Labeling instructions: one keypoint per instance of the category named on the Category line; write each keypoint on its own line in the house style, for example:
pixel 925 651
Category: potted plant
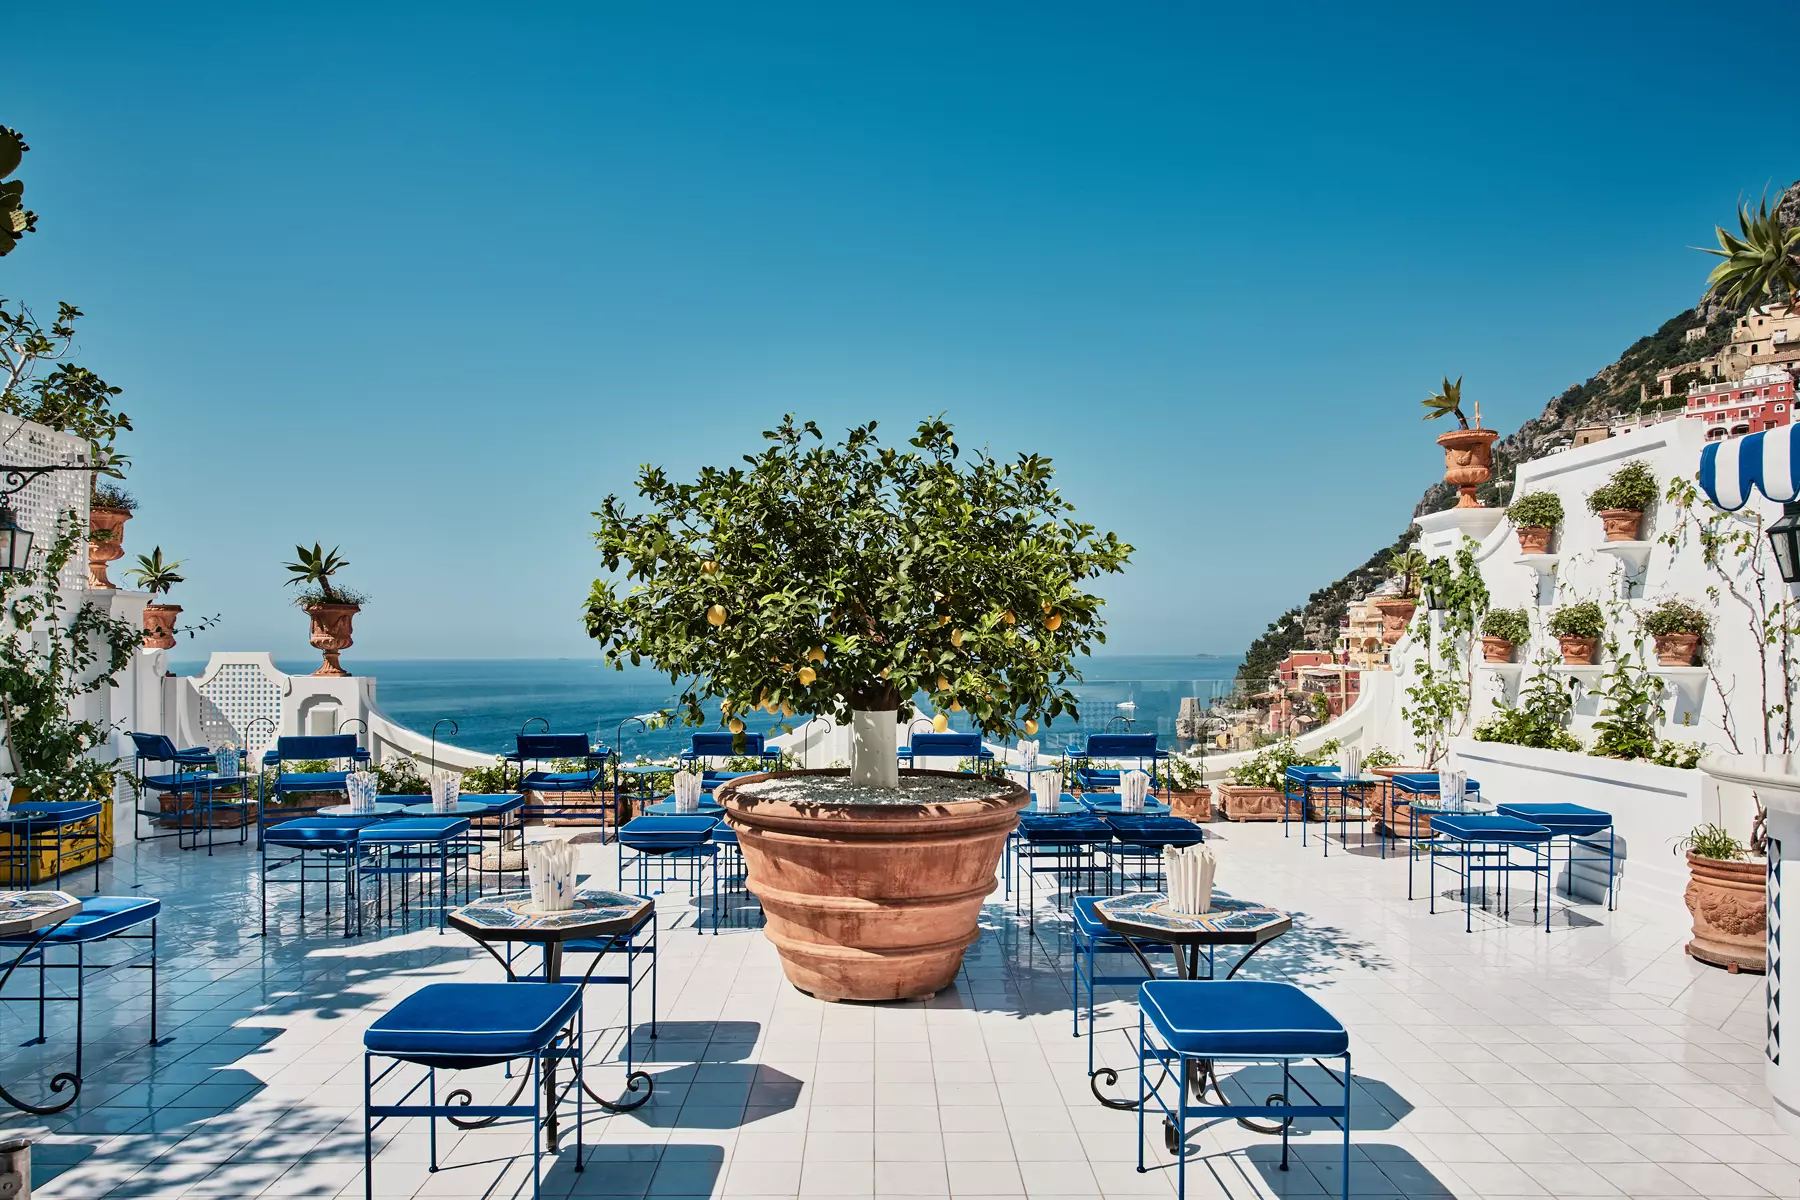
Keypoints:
pixel 1468 453
pixel 109 507
pixel 157 577
pixel 1536 516
pixel 332 609
pixel 1727 897
pixel 845 580
pixel 1256 789
pixel 1578 628
pixel 1188 794
pixel 1678 628
pixel 1407 566
pixel 1623 499
pixel 1502 630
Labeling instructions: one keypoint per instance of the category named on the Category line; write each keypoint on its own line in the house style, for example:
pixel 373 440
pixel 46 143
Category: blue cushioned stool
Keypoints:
pixel 1186 1026
pixel 1092 940
pixel 681 849
pixel 101 919
pixel 1478 845
pixel 1069 849
pixel 49 827
pixel 1583 828
pixel 1139 841
pixel 322 850
pixel 342 754
pixel 459 1026
pixel 408 848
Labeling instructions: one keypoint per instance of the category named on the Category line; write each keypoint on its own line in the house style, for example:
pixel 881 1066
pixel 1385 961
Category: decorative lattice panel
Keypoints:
pixel 241 703
pixel 39 504
pixel 1774 976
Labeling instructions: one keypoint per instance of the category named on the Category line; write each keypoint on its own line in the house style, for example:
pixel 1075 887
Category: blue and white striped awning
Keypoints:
pixel 1769 461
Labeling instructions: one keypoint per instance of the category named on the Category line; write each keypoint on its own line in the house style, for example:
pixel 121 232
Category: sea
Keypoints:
pixel 482 704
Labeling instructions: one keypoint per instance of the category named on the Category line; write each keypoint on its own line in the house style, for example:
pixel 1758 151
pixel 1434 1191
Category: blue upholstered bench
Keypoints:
pixel 1479 845
pixel 681 849
pixel 1185 1026
pixel 461 1026
pixel 101 919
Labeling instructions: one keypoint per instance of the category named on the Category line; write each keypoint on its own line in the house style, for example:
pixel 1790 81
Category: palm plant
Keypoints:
pixel 1409 566
pixel 1446 402
pixel 312 571
pixel 1761 260
pixel 154 575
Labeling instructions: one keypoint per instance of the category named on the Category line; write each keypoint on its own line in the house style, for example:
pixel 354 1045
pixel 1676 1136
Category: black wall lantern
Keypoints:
pixel 15 543
pixel 1784 540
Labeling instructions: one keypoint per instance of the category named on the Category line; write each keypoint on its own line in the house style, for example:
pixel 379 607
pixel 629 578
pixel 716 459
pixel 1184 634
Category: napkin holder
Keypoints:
pixel 1189 872
pixel 446 790
pixel 360 787
pixel 688 786
pixel 550 873
pixel 1133 787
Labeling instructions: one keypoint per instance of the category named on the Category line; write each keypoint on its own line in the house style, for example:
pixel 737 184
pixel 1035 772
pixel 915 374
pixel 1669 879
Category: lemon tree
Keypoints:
pixel 843 579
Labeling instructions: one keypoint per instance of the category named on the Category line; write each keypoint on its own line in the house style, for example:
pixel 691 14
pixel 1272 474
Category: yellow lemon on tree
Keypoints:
pixel 816 654
pixel 943 685
pixel 1046 608
pixel 710 567
pixel 886 671
pixel 943 621
pixel 1030 726
pixel 807 675
pixel 1054 623
pixel 956 637
pixel 735 725
pixel 716 615
pixel 940 723
pixel 1008 617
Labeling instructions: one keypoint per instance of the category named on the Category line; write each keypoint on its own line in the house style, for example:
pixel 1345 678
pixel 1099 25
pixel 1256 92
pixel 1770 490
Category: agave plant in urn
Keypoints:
pixel 332 608
pixel 863 582
pixel 1468 453
pixel 158 578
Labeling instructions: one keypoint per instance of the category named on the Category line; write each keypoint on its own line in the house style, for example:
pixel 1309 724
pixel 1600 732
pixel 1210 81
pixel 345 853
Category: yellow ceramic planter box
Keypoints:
pixel 78 850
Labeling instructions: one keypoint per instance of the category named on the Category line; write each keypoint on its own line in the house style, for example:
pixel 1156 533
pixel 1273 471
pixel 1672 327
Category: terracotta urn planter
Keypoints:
pixel 872 901
pixel 1729 902
pixel 1579 651
pixel 1396 614
pixel 106 544
pixel 331 633
pixel 1195 806
pixel 1468 461
pixel 1249 803
pixel 1535 539
pixel 1621 524
pixel 1677 649
pixel 1496 649
pixel 159 625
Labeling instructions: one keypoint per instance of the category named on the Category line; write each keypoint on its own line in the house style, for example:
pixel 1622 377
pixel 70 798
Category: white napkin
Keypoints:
pixel 1189 872
pixel 1451 786
pixel 446 790
pixel 1028 755
pixel 361 787
pixel 550 870
pixel 1046 790
pixel 6 791
pixel 1133 787
pixel 1350 761
pixel 225 762
pixel 688 786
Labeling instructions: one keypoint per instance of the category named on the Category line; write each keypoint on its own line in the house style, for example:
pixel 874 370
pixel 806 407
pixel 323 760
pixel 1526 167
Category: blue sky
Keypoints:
pixel 429 282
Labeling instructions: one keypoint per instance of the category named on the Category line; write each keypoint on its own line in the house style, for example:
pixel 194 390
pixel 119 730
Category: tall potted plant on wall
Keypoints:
pixel 844 580
pixel 109 507
pixel 1468 452
pixel 332 608
pixel 157 577
pixel 1536 516
pixel 1622 501
pixel 1396 609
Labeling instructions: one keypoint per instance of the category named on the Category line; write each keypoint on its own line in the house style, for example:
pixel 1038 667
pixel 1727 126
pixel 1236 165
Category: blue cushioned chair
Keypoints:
pixel 532 750
pixel 1131 751
pixel 461 1026
pixel 705 747
pixel 157 748
pixel 681 849
pixel 322 850
pixel 946 745
pixel 342 754
pixel 101 919
pixel 1186 1026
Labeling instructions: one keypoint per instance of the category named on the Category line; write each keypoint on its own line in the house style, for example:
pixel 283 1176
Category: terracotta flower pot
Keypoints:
pixel 331 633
pixel 1496 649
pixel 1729 902
pixel 107 542
pixel 1396 613
pixel 1249 803
pixel 1622 524
pixel 1468 461
pixel 159 625
pixel 1578 651
pixel 1195 806
pixel 1535 539
pixel 871 901
pixel 1677 649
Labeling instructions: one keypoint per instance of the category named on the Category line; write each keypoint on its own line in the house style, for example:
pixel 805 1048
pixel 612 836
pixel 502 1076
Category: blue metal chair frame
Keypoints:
pixel 102 919
pixel 1293 795
pixel 195 796
pixel 542 1059
pixel 1411 786
pixel 704 747
pixel 683 851
pixel 1581 828
pixel 945 745
pixel 1138 748
pixel 45 825
pixel 323 849
pixel 1332 792
pixel 1091 941
pixel 158 748
pixel 410 848
pixel 1480 846
pixel 1067 848
pixel 1180 1066
pixel 339 747
pixel 532 749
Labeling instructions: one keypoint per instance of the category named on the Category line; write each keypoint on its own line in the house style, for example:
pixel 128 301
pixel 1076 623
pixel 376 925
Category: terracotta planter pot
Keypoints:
pixel 1729 902
pixel 1195 806
pixel 1621 524
pixel 159 625
pixel 1496 649
pixel 1396 613
pixel 1468 461
pixel 1677 649
pixel 1579 652
pixel 331 633
pixel 871 901
pixel 107 529
pixel 1249 803
pixel 1535 539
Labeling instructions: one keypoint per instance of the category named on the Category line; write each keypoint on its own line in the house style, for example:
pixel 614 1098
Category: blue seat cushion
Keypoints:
pixel 1560 818
pixel 561 781
pixel 100 917
pixel 666 833
pixel 1072 831
pixel 58 812
pixel 1470 827
pixel 1249 1017
pixel 1089 924
pixel 1150 830
pixel 306 831
pixel 310 781
pixel 452 1023
pixel 414 830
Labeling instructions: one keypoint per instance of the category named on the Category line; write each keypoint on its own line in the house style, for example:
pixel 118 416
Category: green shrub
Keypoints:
pixel 1184 773
pixel 1712 841
pixel 1538 720
pixel 1536 508
pixel 487 781
pixel 1268 767
pixel 1633 487
pixel 1509 623
pixel 1675 616
pixel 1684 756
pixel 400 777
pixel 1380 756
pixel 1584 620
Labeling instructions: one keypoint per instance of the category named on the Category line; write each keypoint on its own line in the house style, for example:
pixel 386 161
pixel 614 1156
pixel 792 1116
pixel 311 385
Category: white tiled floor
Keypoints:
pixel 1595 1060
